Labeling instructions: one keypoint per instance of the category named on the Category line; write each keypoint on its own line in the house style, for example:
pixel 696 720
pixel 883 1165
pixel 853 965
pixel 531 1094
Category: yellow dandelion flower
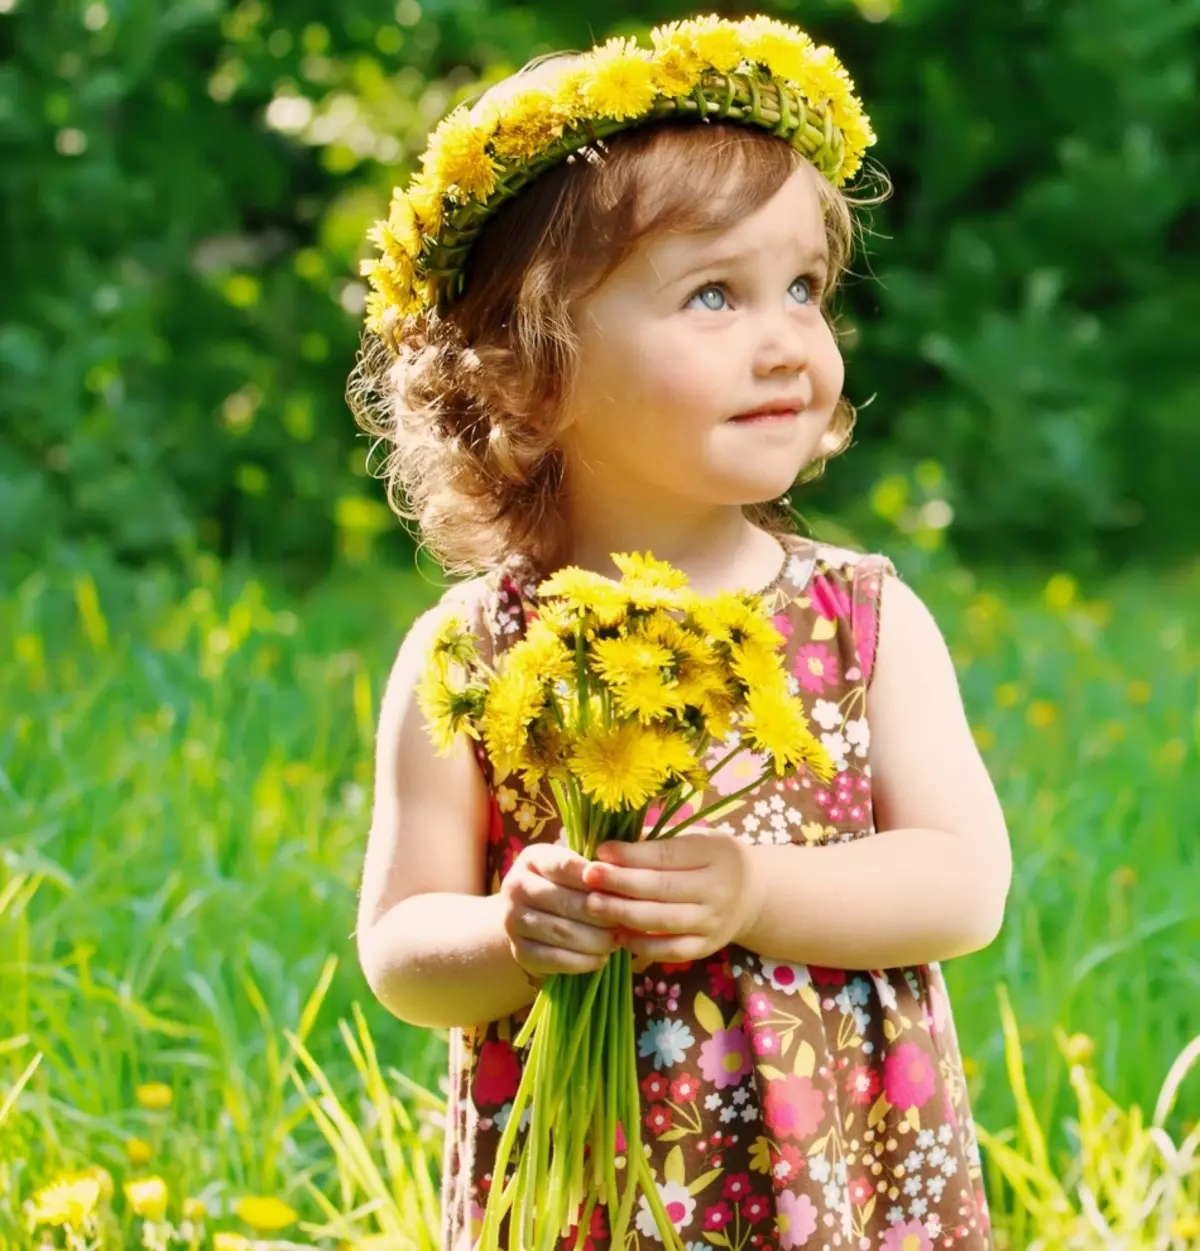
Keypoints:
pixel 756 664
pixel 528 122
pixel 775 723
pixel 264 1213
pixel 542 654
pixel 628 657
pixel 587 592
pixel 153 1095
pixel 426 201
pixel 68 1200
pixel 734 618
pixel 676 757
pixel 823 79
pixel 449 709
pixel 781 48
pixel 457 160
pixel 677 65
pixel 618 765
pixel 514 701
pixel 651 583
pixel 859 137
pixel 545 754
pixel 454 642
pixel 648 697
pixel 147 1197
pixel 716 43
pixel 194 1209
pixel 138 1150
pixel 620 84
pixel 223 1240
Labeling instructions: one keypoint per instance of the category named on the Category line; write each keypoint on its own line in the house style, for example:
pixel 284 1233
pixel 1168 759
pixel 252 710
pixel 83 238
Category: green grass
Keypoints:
pixel 184 793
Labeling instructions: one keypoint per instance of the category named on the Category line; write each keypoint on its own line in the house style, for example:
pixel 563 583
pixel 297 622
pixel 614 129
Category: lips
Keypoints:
pixel 785 410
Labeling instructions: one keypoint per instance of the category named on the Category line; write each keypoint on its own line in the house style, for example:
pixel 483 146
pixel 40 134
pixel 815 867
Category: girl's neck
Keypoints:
pixel 720 551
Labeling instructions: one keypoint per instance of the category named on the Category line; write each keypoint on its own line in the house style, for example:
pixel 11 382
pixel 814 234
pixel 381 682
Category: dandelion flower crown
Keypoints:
pixel 757 72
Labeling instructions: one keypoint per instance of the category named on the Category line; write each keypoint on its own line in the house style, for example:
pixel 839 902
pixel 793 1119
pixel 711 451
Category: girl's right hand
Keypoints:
pixel 545 914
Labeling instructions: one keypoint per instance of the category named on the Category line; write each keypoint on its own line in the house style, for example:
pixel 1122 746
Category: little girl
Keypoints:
pixel 600 322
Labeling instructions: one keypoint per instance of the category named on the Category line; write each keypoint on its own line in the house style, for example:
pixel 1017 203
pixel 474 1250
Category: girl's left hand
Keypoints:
pixel 673 899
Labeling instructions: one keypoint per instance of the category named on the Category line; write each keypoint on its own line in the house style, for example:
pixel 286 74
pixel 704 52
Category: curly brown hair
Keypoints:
pixel 465 405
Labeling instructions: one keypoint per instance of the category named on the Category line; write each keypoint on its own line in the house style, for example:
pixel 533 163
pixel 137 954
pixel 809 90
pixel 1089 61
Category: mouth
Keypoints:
pixel 785 410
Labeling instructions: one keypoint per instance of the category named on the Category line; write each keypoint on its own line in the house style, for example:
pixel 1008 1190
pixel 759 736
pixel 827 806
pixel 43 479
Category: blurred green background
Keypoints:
pixel 203 589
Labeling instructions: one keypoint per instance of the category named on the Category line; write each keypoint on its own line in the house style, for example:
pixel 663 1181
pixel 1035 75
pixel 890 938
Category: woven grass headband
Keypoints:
pixel 757 72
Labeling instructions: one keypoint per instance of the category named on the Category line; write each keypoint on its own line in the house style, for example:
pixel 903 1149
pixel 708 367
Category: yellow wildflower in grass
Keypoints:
pixel 68 1200
pixel 1041 714
pixel 1008 695
pixel 621 82
pixel 619 765
pixel 138 1150
pixel 775 724
pixel 1139 691
pixel 147 1196
pixel 153 1095
pixel 457 160
pixel 264 1213
pixel 194 1209
pixel 223 1240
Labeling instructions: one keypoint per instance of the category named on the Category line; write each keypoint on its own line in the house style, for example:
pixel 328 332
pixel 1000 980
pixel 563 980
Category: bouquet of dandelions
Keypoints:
pixel 616 697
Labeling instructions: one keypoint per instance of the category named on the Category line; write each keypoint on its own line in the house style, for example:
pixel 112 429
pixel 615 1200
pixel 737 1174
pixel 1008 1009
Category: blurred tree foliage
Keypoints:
pixel 186 184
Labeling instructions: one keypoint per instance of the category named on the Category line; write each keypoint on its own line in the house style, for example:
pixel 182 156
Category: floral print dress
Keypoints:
pixel 784 1105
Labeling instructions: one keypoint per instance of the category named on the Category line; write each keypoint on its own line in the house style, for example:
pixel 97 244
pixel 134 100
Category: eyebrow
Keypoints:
pixel 809 258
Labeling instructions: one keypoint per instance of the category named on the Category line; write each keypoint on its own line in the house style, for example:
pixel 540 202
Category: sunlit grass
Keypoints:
pixel 183 792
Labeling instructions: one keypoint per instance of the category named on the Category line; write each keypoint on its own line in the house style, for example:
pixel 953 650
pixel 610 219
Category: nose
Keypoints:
pixel 782 346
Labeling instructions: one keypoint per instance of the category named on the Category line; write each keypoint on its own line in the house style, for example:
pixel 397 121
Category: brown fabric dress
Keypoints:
pixel 784 1105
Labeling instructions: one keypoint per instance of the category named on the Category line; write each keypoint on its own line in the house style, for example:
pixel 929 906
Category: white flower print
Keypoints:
pixel 761 808
pixel 950 1166
pixel 887 997
pixel 827 714
pixel 912 1185
pixel 839 1172
pixel 833 1195
pixel 740 1095
pixel 712 1102
pixel 933 1226
pixel 777 804
pixel 820 1170
pixel 859 735
pixel 728 1114
pixel 895 1215
pixel 918 1208
pixel 794 816
pixel 945 1135
pixel 935 1186
pixel 750 824
pixel 786 977
pixel 937 1155
pixel 914 1161
pixel 925 1139
pixel 673 1194
pixel 837 746
pixel 667 1041
pixel 749 1113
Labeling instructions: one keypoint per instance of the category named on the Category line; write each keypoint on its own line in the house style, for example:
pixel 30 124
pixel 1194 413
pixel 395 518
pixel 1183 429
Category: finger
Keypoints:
pixel 665 885
pixel 559 864
pixel 561 901
pixel 653 915
pixel 691 850
pixel 551 930
pixel 541 960
pixel 667 948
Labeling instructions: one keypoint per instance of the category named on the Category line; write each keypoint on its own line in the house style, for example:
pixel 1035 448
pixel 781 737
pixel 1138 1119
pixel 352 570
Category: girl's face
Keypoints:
pixel 688 336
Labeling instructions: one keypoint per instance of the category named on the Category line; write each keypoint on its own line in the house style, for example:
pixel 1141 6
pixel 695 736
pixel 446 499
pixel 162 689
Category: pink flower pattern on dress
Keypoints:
pixel 770 1090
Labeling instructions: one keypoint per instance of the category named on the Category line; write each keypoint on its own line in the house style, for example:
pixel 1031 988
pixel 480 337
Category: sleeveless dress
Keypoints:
pixel 784 1105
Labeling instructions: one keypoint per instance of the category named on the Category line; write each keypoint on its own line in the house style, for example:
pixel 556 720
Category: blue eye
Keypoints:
pixel 809 289
pixel 704 292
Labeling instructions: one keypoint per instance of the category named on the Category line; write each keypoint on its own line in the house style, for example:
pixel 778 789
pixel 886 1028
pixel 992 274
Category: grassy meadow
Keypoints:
pixel 185 1037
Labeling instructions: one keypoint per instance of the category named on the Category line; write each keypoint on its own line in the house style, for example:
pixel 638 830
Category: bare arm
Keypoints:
pixel 431 942
pixel 933 883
